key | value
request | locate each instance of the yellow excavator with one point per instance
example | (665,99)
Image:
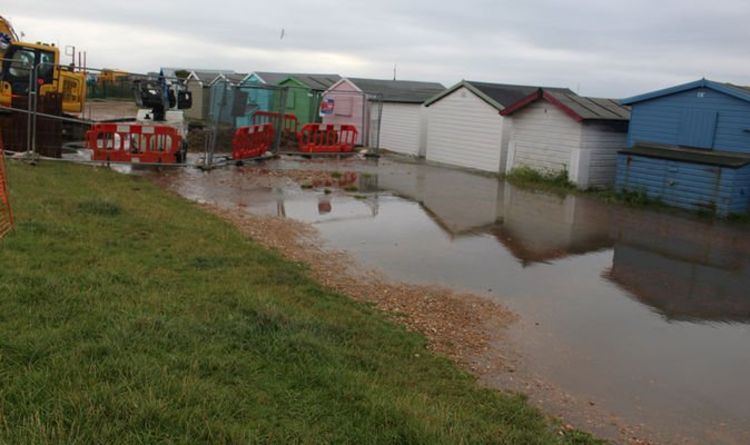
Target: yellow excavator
(21,59)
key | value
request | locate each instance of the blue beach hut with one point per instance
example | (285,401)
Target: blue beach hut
(689,147)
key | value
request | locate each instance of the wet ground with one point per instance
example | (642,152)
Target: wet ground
(642,317)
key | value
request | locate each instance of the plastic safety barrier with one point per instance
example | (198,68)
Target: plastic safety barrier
(288,122)
(157,144)
(317,138)
(252,142)
(6,212)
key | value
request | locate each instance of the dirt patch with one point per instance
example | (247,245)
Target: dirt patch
(456,325)
(308,178)
(198,137)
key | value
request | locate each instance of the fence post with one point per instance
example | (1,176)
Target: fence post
(280,127)
(36,108)
(29,107)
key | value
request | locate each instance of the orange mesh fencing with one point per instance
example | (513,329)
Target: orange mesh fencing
(6,213)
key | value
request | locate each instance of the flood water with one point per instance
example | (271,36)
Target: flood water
(644,313)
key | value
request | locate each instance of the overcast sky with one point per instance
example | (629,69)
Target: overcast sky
(595,47)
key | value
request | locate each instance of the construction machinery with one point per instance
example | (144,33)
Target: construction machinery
(37,68)
(112,76)
(7,35)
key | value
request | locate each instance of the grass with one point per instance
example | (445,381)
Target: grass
(558,183)
(548,180)
(628,198)
(132,316)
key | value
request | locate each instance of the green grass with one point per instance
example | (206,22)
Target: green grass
(558,183)
(129,315)
(548,180)
(628,198)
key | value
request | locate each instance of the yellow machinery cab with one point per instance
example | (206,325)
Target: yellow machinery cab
(51,77)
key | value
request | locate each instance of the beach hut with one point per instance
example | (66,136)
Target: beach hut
(465,127)
(262,89)
(198,83)
(304,92)
(259,95)
(387,113)
(558,131)
(689,147)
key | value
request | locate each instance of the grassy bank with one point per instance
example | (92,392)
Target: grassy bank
(131,316)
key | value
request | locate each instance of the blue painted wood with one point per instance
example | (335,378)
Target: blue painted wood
(732,90)
(687,185)
(258,99)
(697,128)
(740,200)
(662,120)
(700,114)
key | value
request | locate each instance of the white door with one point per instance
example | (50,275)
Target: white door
(400,128)
(465,131)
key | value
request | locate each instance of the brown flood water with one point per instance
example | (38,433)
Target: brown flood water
(643,314)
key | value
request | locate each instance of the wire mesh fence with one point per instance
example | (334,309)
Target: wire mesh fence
(104,88)
(212,119)
(304,120)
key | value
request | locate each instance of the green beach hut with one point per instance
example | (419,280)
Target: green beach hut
(304,92)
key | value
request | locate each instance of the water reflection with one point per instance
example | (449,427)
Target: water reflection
(458,202)
(543,227)
(686,270)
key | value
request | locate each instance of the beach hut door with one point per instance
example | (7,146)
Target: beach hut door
(698,128)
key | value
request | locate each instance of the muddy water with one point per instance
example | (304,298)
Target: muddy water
(643,314)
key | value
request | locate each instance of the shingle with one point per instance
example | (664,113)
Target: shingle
(320,82)
(506,95)
(406,91)
(314,81)
(235,78)
(207,76)
(591,107)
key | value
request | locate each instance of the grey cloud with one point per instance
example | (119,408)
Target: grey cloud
(606,48)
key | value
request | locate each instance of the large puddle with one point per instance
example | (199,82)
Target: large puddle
(643,313)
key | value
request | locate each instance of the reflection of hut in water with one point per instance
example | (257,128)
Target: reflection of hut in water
(458,202)
(541,227)
(686,270)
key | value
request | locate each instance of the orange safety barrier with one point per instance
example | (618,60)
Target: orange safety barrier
(157,144)
(316,138)
(252,142)
(288,123)
(6,212)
